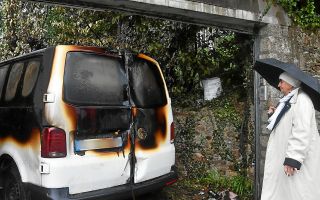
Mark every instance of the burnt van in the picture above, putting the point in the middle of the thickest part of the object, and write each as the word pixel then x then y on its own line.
pixel 83 123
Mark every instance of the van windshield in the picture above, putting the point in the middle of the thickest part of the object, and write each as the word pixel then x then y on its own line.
pixel 91 79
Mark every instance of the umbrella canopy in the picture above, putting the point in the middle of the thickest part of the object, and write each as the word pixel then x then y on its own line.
pixel 270 69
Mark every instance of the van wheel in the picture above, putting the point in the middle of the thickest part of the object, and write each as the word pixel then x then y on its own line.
pixel 13 187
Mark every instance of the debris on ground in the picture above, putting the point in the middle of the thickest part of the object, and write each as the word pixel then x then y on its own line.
pixel 223 195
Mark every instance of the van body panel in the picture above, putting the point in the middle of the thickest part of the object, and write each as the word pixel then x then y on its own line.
pixel 154 164
pixel 113 193
pixel 86 173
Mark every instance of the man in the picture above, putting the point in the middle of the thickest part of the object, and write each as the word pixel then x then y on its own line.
pixel 292 165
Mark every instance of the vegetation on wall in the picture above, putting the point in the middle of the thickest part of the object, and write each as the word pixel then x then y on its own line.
pixel 232 127
pixel 305 13
pixel 1 20
pixel 227 139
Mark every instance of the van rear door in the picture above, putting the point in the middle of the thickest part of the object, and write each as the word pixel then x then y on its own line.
pixel 120 107
pixel 154 153
pixel 95 89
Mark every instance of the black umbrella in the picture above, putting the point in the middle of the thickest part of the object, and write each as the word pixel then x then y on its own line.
pixel 270 69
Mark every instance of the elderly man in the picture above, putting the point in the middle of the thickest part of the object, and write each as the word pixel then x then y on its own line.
pixel 292 164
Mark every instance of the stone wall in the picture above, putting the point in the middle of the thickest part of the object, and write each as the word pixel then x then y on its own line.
pixel 205 141
pixel 289 44
pixel 306 52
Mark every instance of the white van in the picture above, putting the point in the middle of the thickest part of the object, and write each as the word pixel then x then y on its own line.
pixel 81 123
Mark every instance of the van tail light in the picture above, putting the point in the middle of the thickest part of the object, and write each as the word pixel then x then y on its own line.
pixel 172 132
pixel 53 143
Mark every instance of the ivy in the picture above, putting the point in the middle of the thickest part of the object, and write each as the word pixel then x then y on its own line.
pixel 1 20
pixel 303 13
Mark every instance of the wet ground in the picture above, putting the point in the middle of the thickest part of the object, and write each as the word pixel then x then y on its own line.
pixel 173 192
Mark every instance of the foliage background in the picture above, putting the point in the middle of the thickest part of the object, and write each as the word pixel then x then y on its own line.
pixel 304 13
pixel 186 53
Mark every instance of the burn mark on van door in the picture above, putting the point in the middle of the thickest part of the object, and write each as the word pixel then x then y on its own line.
pixel 19 121
pixel 71 116
pixel 148 95
pixel 100 129
pixel 151 127
pixel 91 122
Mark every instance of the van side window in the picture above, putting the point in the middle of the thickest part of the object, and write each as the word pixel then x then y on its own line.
pixel 147 87
pixel 3 73
pixel 30 77
pixel 13 81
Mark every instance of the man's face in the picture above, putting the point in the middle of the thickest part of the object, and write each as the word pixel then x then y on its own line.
pixel 285 87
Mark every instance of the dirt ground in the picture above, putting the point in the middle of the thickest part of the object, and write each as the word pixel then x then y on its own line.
pixel 178 192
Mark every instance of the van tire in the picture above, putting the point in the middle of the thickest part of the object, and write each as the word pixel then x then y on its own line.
pixel 13 187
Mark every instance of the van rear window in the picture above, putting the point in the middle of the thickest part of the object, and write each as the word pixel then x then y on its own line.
pixel 3 73
pixel 30 77
pixel 14 78
pixel 146 85
pixel 91 79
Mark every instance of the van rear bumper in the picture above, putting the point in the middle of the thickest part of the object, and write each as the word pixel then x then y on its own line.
pixel 117 192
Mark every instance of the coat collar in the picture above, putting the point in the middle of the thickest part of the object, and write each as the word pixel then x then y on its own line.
pixel 294 98
pixel 287 106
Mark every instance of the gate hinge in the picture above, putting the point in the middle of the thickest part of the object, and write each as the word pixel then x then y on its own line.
pixel 48 98
pixel 44 168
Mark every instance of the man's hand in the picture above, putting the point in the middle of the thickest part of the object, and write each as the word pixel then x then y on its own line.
pixel 289 171
pixel 271 110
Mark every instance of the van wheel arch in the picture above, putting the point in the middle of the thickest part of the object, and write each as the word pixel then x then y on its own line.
pixel 11 184
pixel 5 161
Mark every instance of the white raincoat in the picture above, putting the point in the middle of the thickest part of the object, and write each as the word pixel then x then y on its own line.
pixel 295 137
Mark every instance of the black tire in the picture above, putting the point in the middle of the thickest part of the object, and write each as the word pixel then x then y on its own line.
pixel 13 187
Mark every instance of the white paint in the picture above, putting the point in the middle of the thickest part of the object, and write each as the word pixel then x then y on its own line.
pixel 152 165
pixel 85 173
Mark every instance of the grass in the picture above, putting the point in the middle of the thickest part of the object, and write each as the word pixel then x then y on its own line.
pixel 240 185
pixel 211 181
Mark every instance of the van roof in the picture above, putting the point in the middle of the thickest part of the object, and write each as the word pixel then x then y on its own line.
pixel 41 52
pixel 31 54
